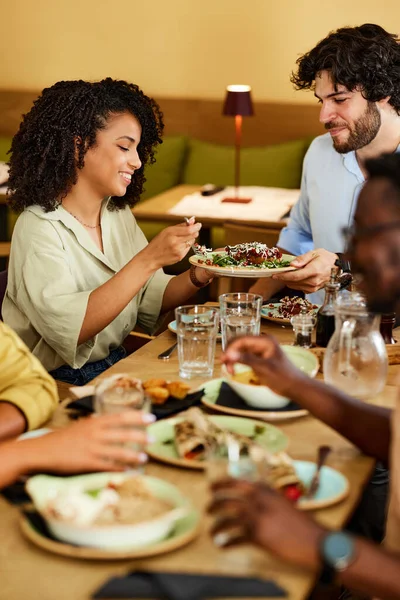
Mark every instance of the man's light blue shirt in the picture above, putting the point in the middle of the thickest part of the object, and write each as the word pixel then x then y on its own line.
pixel 331 183
pixel 330 186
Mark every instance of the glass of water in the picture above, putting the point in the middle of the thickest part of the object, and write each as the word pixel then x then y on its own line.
pixel 196 328
pixel 240 315
pixel 120 393
pixel 227 459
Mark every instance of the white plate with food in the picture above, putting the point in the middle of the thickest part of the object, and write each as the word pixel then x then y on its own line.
pixel 246 384
pixel 183 440
pixel 112 512
pixel 250 259
pixel 288 307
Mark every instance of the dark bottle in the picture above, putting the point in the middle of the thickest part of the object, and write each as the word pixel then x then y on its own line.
pixel 388 321
pixel 326 314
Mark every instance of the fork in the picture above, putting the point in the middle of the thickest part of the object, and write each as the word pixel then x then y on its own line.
pixel 193 247
pixel 323 452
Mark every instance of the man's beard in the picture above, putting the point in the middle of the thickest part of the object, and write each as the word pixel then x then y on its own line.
pixel 365 130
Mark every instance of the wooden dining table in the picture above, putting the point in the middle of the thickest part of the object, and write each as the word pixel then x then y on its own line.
pixel 26 571
pixel 157 209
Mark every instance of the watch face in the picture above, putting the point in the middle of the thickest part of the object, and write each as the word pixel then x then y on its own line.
pixel 338 550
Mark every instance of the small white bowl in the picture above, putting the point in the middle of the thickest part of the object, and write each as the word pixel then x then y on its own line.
pixel 42 488
pixel 261 396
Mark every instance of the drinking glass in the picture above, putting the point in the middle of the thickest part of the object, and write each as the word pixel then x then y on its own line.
pixel 226 459
pixel 196 328
pixel 240 315
pixel 112 397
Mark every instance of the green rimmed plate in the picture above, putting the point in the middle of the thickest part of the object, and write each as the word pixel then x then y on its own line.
pixel 163 449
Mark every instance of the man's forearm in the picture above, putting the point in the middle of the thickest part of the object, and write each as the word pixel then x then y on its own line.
pixel 374 571
pixel 365 425
pixel 12 421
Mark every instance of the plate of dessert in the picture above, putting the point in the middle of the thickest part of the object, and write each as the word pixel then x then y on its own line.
pixel 250 259
pixel 288 307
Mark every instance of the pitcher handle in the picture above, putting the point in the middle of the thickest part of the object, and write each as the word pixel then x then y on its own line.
pixel 345 342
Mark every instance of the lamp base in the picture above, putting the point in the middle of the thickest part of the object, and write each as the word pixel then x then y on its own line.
pixel 237 200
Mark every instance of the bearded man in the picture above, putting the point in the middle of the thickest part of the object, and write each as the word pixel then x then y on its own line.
pixel 355 75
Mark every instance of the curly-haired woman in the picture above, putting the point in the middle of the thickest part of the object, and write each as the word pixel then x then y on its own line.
pixel 81 273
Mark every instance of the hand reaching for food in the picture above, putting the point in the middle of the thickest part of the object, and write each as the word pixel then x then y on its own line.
pixel 253 512
pixel 268 361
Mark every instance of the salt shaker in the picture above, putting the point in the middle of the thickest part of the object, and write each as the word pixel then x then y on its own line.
pixel 303 325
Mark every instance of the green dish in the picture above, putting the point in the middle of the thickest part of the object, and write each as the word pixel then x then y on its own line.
pixel 163 449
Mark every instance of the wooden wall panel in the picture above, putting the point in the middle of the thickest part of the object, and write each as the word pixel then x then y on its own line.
pixel 202 119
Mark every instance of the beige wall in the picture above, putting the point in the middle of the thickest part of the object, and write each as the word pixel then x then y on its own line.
pixel 190 48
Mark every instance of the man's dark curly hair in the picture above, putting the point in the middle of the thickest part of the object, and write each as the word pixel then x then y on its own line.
pixel 365 58
pixel 44 165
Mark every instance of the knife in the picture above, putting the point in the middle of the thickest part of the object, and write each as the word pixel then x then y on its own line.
pixel 167 353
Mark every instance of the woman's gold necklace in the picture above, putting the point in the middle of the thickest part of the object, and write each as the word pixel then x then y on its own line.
pixel 81 222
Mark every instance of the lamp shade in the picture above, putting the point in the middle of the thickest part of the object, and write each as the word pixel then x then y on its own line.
pixel 238 101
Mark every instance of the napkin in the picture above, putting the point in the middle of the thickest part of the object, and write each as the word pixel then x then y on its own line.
pixel 39 524
pixel 15 493
pixel 183 586
pixel 228 397
pixel 161 411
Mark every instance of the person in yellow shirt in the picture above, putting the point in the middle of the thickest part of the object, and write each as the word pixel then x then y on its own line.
pixel 28 394
pixel 28 397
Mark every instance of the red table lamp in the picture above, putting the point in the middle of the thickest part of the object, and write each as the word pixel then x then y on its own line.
pixel 238 104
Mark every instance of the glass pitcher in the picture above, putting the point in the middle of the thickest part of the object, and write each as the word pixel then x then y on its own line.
pixel 355 360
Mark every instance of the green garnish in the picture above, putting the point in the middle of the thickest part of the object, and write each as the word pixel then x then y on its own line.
pixel 259 430
pixel 93 493
pixel 224 260
pixel 166 442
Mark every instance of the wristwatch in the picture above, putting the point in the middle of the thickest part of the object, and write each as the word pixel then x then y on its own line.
pixel 194 280
pixel 343 264
pixel 337 552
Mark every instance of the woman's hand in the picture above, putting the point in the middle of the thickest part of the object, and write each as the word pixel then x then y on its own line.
pixel 92 444
pixel 254 513
pixel 172 244
pixel 270 364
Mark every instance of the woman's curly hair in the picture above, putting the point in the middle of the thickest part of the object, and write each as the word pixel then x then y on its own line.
pixel 365 58
pixel 45 159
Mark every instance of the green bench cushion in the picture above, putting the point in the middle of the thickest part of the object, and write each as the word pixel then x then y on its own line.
pixel 270 166
pixel 166 172
pixel 5 145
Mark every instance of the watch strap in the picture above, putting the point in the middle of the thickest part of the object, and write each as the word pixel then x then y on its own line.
pixel 343 263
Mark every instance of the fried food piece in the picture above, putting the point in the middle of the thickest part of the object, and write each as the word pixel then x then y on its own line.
pixel 152 383
pixel 178 389
pixel 248 377
pixel 127 383
pixel 158 395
